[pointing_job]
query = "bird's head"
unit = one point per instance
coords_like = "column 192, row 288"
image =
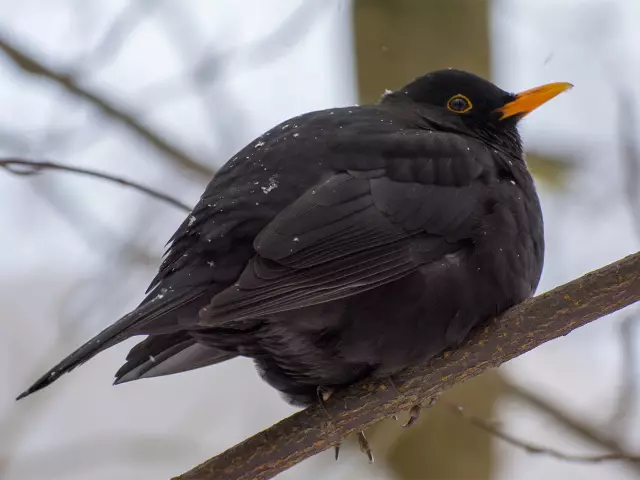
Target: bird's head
column 464, row 102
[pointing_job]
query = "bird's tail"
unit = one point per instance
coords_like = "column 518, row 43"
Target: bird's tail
column 158, row 313
column 165, row 354
column 110, row 336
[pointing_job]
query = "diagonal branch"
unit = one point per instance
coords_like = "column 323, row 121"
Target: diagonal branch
column 628, row 393
column 29, row 64
column 522, row 328
column 532, row 448
column 31, row 167
column 630, row 155
column 577, row 426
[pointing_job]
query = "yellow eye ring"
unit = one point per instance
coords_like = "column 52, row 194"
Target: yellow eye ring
column 459, row 104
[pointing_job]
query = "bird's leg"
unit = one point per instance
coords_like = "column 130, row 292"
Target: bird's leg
column 364, row 446
column 395, row 389
column 324, row 394
column 393, row 385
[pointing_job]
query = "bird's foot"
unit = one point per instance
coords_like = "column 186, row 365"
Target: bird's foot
column 364, row 446
column 414, row 412
column 393, row 385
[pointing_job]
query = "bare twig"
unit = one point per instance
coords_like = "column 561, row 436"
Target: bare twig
column 628, row 394
column 630, row 154
column 213, row 65
column 182, row 30
column 517, row 331
column 28, row 63
column 19, row 166
column 591, row 433
column 123, row 25
column 532, row 448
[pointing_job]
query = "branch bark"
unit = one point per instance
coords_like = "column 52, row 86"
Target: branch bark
column 519, row 330
column 29, row 64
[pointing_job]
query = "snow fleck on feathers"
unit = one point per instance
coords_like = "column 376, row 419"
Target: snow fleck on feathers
column 273, row 184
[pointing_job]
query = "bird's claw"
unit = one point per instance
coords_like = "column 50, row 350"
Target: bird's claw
column 432, row 401
column 414, row 415
column 414, row 412
column 336, row 449
column 364, row 446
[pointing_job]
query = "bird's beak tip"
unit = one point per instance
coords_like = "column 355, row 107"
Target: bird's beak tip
column 527, row 101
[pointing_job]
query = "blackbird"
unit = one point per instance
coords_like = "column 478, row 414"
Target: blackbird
column 347, row 243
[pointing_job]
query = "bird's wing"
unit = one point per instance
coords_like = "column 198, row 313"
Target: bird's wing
column 353, row 232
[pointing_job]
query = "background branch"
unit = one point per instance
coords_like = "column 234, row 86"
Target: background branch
column 586, row 431
column 628, row 394
column 492, row 429
column 32, row 167
column 29, row 64
column 519, row 330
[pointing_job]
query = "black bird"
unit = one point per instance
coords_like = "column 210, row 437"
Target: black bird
column 347, row 243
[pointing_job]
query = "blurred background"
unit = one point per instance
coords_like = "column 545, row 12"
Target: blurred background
column 165, row 91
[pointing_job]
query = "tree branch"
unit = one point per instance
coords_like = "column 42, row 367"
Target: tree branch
column 628, row 395
column 32, row 167
column 577, row 426
column 517, row 331
column 30, row 65
column 532, row 448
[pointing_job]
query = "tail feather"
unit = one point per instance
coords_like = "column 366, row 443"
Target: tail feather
column 157, row 312
column 109, row 337
column 166, row 354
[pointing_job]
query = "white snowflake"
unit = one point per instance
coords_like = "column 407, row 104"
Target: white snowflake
column 273, row 184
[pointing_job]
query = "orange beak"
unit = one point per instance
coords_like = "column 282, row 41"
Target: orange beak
column 529, row 100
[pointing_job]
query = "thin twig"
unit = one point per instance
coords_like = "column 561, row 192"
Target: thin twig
column 181, row 28
column 19, row 166
column 488, row 427
column 628, row 393
column 28, row 64
column 215, row 63
column 630, row 155
column 115, row 36
column 578, row 426
column 517, row 331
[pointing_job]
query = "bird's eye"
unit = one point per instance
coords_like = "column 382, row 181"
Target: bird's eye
column 459, row 104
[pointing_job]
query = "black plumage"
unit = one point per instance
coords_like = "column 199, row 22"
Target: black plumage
column 347, row 242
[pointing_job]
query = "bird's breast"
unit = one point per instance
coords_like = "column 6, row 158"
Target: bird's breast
column 509, row 241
